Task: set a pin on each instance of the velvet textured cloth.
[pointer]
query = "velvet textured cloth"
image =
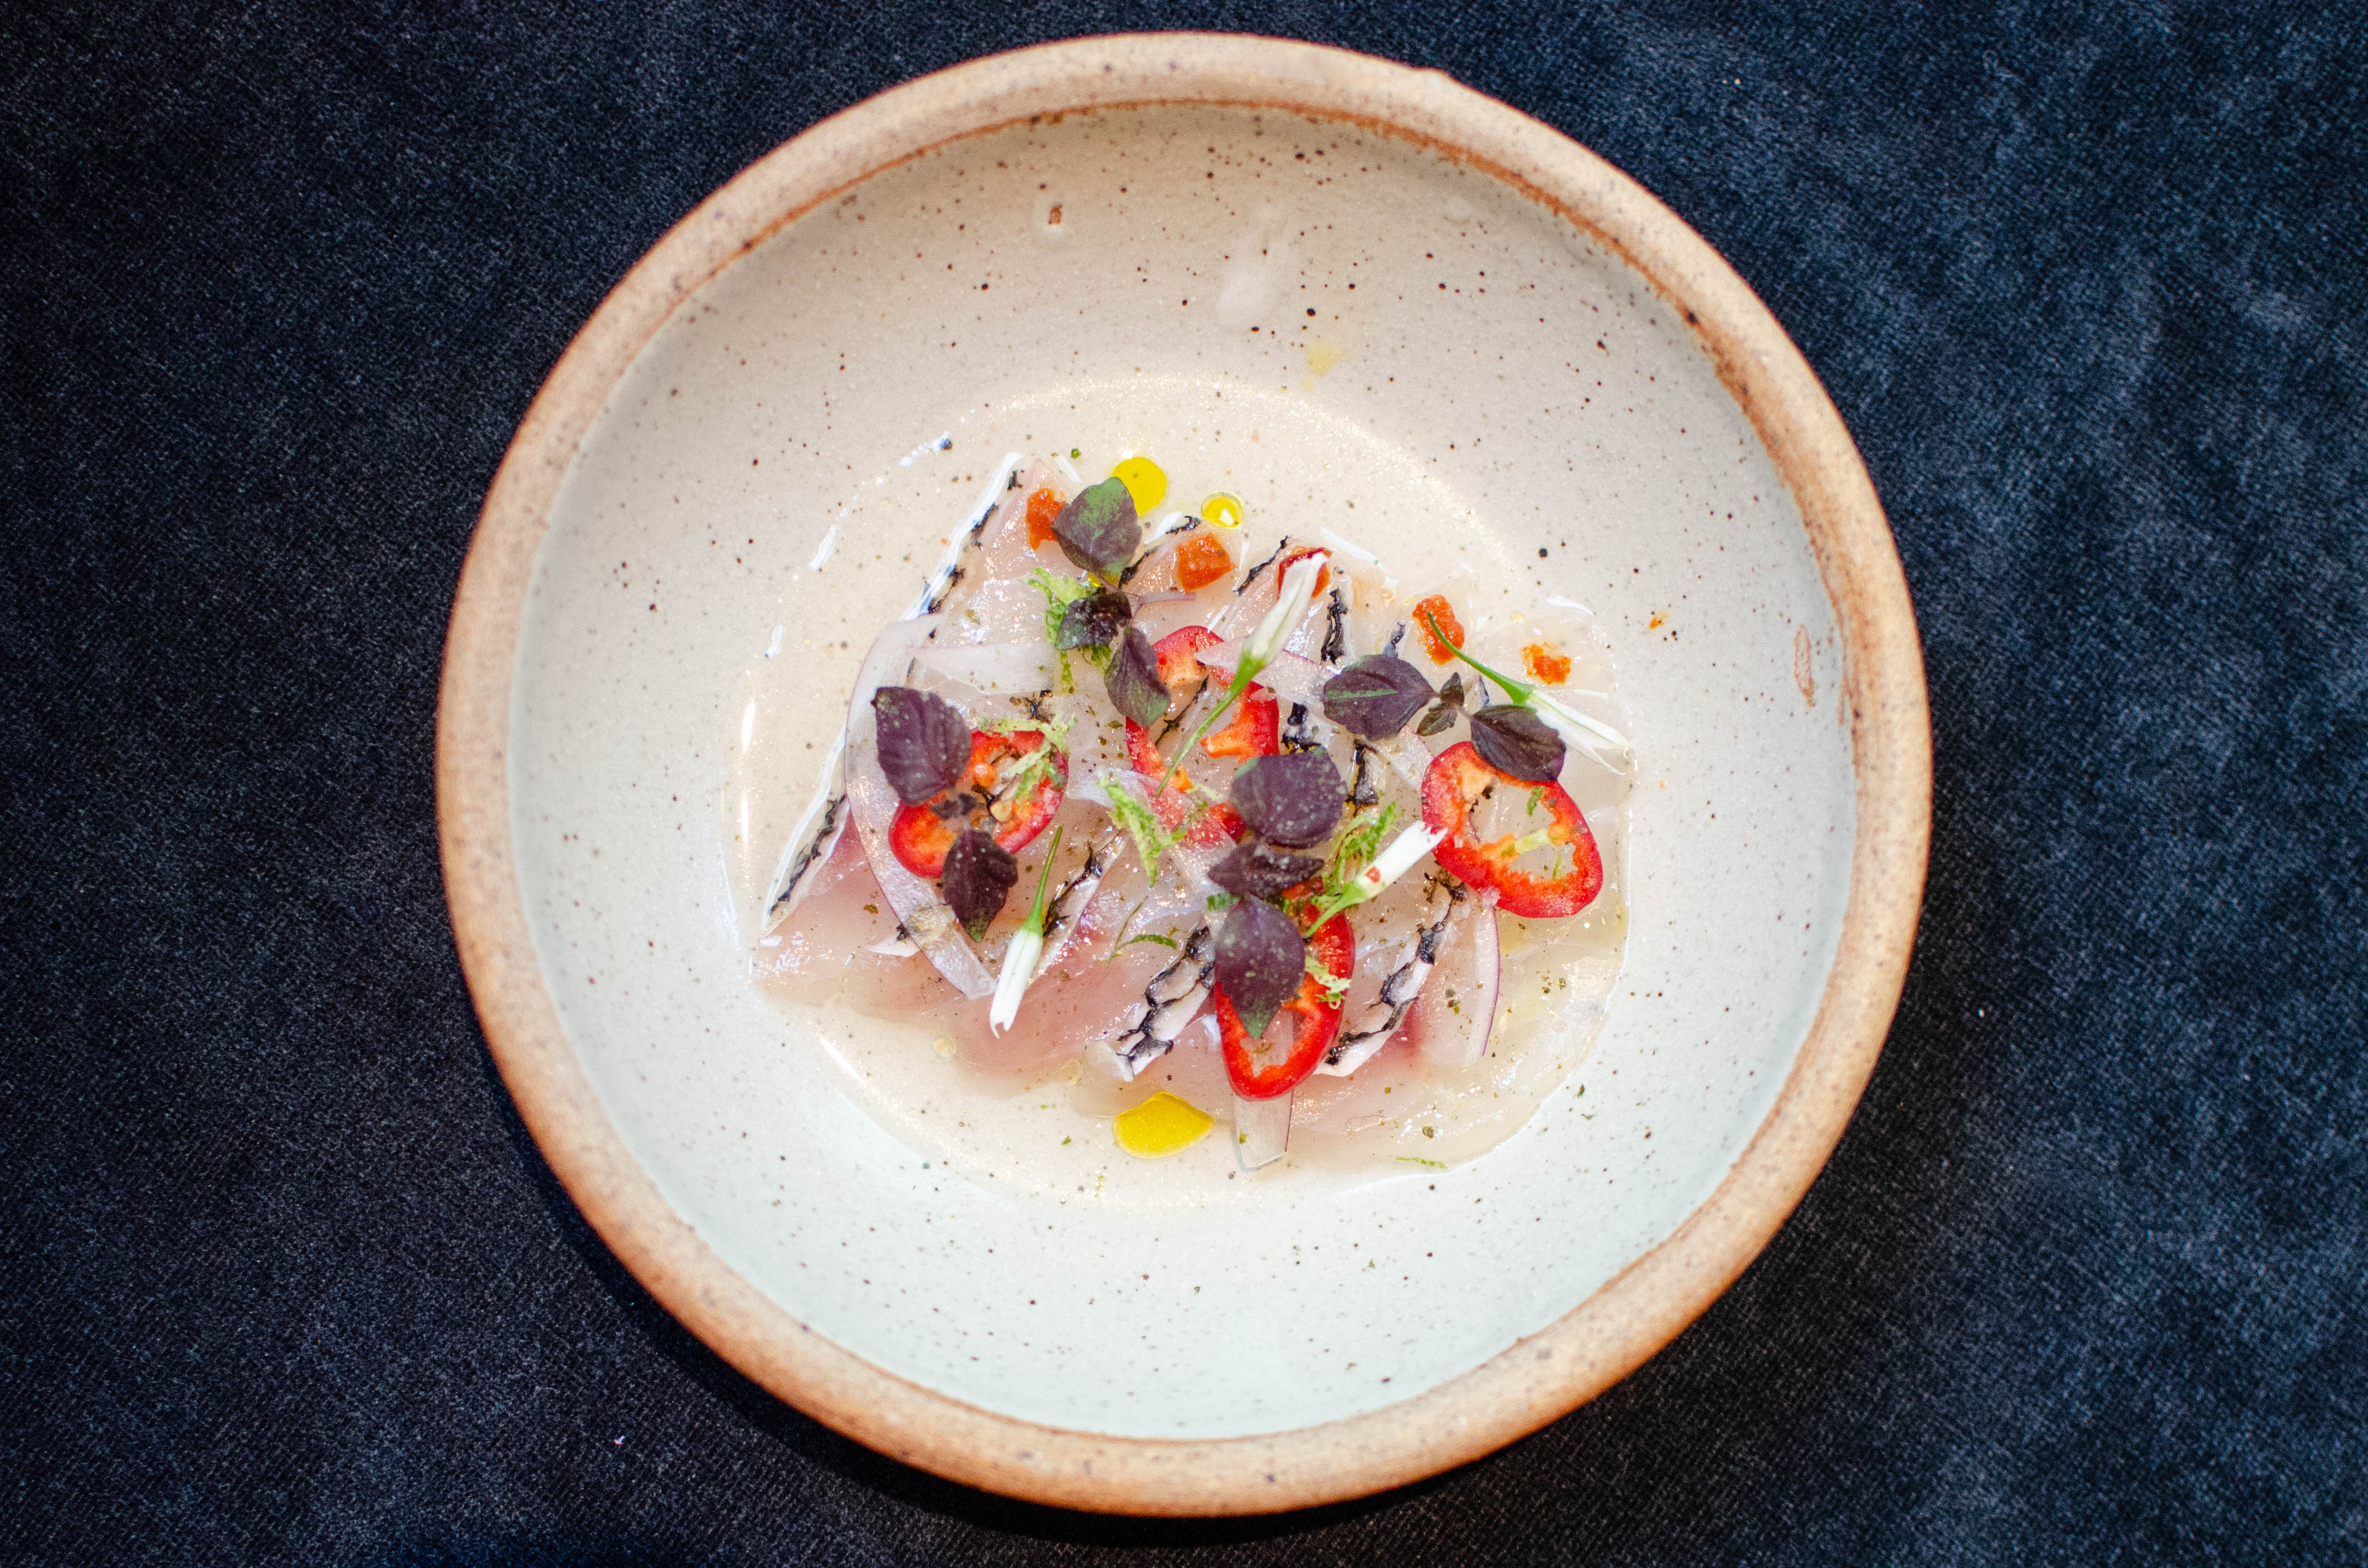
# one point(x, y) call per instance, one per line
point(285, 1279)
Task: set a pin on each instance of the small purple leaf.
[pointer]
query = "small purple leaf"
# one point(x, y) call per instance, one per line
point(978, 877)
point(1135, 688)
point(1374, 697)
point(1516, 740)
point(1259, 870)
point(1093, 621)
point(1292, 799)
point(1098, 529)
point(1260, 960)
point(924, 741)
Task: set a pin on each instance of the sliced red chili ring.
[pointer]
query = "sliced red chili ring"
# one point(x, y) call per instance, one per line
point(920, 837)
point(1252, 1067)
point(1457, 777)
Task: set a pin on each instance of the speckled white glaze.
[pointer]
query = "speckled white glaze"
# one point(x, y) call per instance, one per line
point(1493, 368)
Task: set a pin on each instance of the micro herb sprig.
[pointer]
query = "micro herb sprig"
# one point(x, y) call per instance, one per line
point(1060, 593)
point(1027, 948)
point(1587, 735)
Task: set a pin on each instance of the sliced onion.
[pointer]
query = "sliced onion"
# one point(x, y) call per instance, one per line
point(1473, 966)
point(873, 807)
point(1262, 1130)
point(997, 669)
point(926, 918)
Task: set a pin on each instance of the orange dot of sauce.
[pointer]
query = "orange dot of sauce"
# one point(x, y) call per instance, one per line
point(1201, 560)
point(1436, 607)
point(1544, 665)
point(1042, 507)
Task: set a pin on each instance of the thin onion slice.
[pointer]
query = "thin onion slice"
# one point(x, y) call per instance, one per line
point(1262, 1130)
point(873, 807)
point(1473, 968)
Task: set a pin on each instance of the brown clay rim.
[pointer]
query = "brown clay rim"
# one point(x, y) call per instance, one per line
point(1543, 1377)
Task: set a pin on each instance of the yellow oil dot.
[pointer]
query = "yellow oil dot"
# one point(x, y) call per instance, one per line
point(1161, 1125)
point(1146, 481)
point(1221, 509)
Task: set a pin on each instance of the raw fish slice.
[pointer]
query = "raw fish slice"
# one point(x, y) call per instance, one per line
point(1171, 999)
point(842, 917)
point(1370, 1021)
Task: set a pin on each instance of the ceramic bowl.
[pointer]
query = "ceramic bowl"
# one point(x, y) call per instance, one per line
point(1134, 240)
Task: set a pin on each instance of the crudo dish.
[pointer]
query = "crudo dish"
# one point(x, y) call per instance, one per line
point(1268, 855)
point(1284, 472)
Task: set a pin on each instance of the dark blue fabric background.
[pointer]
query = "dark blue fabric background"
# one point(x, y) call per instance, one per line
point(284, 1279)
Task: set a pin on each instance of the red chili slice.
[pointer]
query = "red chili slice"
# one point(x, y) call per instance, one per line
point(1178, 654)
point(1254, 1070)
point(1323, 578)
point(1457, 777)
point(920, 837)
point(1255, 730)
point(1257, 724)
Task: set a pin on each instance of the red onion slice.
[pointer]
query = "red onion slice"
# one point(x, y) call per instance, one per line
point(1474, 967)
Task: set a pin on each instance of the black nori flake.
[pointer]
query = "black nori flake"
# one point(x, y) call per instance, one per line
point(1373, 698)
point(1335, 630)
point(1292, 799)
point(1252, 574)
point(1516, 740)
point(1097, 531)
point(1133, 678)
point(1298, 734)
point(1363, 789)
point(1261, 870)
point(1260, 959)
point(978, 878)
point(924, 741)
point(1093, 621)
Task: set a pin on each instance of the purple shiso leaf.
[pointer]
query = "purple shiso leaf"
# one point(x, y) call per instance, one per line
point(1293, 800)
point(1450, 703)
point(1374, 697)
point(924, 741)
point(1516, 740)
point(978, 878)
point(1093, 621)
point(1259, 870)
point(1135, 688)
point(1098, 531)
point(1260, 960)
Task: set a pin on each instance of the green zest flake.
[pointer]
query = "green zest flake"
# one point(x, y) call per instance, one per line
point(1417, 1159)
point(1151, 838)
point(1535, 796)
point(1217, 901)
point(1354, 850)
point(1335, 986)
point(1059, 593)
point(1028, 770)
point(1149, 937)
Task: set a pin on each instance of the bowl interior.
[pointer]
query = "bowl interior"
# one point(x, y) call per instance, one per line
point(1316, 312)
